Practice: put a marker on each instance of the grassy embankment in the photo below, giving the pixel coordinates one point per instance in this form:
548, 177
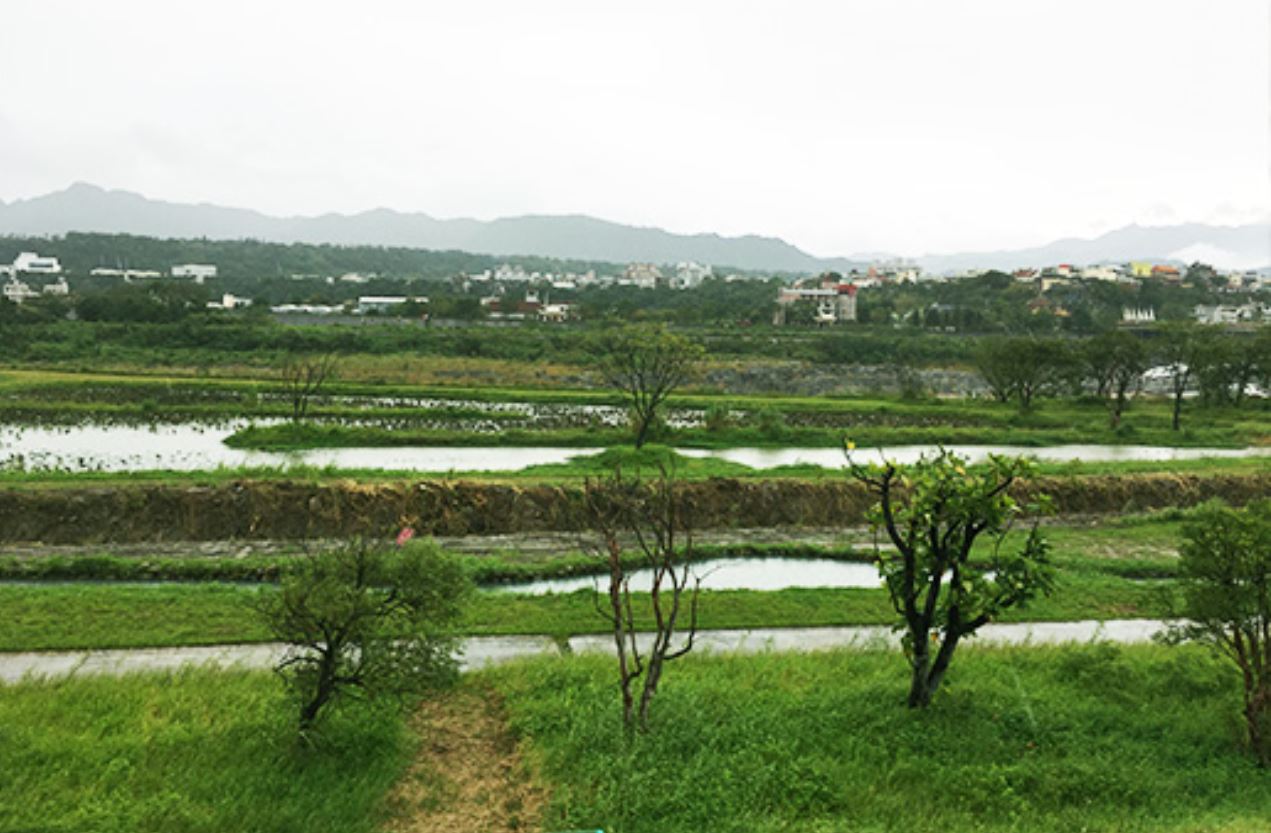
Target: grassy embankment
1139, 739
1119, 570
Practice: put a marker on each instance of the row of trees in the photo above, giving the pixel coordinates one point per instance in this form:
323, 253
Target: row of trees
1111, 366
369, 621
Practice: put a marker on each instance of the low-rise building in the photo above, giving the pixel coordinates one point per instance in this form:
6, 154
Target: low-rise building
383, 303
1138, 315
36, 264
556, 313
690, 274
229, 302
198, 271
18, 291
1232, 314
835, 302
58, 287
643, 275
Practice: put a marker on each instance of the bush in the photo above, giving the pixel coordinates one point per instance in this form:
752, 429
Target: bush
364, 620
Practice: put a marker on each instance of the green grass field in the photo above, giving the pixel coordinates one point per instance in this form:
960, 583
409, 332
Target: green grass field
1113, 569
196, 751
1094, 738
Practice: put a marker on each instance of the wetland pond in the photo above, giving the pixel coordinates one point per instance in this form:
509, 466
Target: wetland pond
200, 446
727, 574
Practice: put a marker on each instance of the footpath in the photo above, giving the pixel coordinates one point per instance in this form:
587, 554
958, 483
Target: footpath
482, 651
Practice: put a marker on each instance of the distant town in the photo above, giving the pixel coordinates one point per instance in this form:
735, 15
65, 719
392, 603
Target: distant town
512, 292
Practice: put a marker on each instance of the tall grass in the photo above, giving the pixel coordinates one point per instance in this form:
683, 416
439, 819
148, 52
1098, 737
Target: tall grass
198, 750
1045, 740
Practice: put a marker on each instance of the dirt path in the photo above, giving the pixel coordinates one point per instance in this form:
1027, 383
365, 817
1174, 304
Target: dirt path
468, 776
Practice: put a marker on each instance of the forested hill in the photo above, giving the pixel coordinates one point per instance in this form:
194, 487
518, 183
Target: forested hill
88, 208
79, 252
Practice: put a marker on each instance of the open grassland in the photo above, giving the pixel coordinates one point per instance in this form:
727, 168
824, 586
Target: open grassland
201, 751
1099, 738
1123, 569
1045, 740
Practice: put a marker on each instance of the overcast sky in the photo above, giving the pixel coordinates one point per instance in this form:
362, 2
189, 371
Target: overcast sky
843, 127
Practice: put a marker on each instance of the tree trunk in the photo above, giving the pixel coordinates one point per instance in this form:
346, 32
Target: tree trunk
1178, 408
643, 432
919, 686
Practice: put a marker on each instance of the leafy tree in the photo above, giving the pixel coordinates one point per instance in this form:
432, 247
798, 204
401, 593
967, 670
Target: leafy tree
1023, 368
646, 364
1115, 362
1178, 348
1226, 578
932, 512
367, 621
657, 516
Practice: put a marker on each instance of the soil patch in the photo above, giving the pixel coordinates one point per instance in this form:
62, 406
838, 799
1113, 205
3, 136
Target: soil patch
468, 776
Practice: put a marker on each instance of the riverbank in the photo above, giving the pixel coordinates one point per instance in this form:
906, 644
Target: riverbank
281, 509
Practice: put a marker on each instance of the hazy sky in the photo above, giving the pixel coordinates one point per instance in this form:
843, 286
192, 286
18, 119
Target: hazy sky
840, 126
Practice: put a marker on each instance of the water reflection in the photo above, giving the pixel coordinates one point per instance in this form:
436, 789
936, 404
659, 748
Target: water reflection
195, 446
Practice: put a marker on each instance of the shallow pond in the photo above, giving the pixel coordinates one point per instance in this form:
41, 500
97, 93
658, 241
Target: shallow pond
728, 574
194, 446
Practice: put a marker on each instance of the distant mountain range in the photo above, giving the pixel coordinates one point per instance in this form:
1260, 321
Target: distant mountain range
1227, 247
84, 207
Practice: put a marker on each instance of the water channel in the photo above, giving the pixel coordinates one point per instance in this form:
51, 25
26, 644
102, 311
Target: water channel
196, 446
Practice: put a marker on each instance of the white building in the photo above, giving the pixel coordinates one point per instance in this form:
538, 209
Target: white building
33, 263
643, 275
198, 271
555, 313
1231, 314
383, 303
229, 301
511, 274
689, 274
835, 302
306, 309
1102, 272
1137, 315
58, 287
18, 291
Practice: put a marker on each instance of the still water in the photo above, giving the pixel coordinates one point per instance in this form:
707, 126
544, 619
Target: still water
729, 574
192, 447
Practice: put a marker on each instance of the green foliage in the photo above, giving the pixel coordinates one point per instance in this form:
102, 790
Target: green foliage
359, 619
1226, 578
932, 512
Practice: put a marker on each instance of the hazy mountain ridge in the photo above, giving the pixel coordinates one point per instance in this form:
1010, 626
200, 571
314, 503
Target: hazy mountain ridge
1231, 247
84, 207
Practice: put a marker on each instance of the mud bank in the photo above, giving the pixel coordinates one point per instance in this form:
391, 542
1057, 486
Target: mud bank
282, 510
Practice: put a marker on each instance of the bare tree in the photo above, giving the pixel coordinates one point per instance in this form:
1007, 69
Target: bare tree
303, 378
646, 364
657, 516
